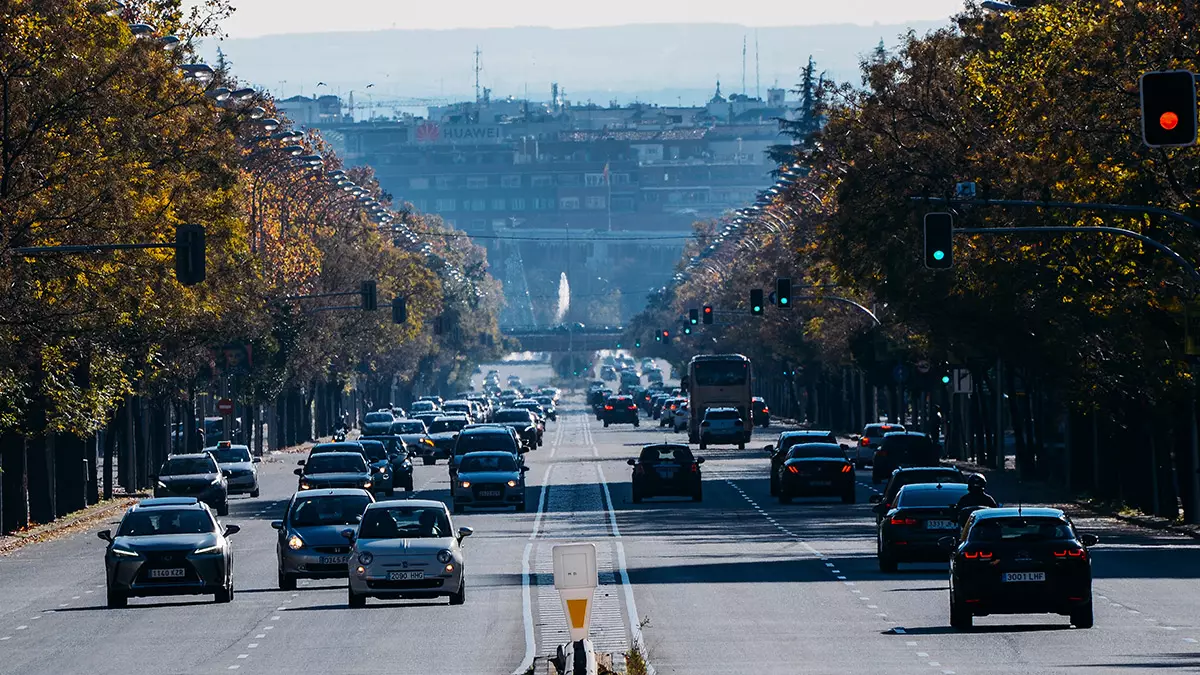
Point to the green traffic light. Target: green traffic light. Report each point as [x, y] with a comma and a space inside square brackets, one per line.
[939, 255]
[757, 308]
[945, 379]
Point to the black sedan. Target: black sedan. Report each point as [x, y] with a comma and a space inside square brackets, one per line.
[910, 531]
[620, 410]
[1020, 561]
[168, 546]
[335, 470]
[762, 414]
[786, 440]
[901, 477]
[667, 470]
[416, 436]
[193, 475]
[399, 455]
[521, 421]
[813, 469]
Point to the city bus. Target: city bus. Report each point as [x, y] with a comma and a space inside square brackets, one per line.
[718, 381]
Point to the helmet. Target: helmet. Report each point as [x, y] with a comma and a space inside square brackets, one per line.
[976, 482]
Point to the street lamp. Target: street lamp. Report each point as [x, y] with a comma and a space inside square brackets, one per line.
[218, 94]
[997, 6]
[169, 41]
[141, 29]
[201, 72]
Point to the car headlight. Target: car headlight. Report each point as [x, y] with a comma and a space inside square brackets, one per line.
[207, 549]
[512, 483]
[304, 485]
[365, 558]
[465, 483]
[295, 542]
[366, 483]
[444, 556]
[427, 441]
[162, 485]
[124, 552]
[216, 481]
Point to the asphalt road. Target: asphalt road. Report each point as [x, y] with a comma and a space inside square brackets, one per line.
[735, 584]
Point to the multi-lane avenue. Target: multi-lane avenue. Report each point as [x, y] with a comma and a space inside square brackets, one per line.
[737, 583]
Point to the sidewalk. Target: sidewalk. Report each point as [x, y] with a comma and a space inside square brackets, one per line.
[68, 524]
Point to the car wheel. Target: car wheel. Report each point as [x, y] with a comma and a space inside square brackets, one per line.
[703, 445]
[224, 595]
[766, 425]
[960, 616]
[698, 495]
[848, 496]
[408, 484]
[635, 423]
[1082, 616]
[117, 599]
[391, 492]
[354, 599]
[287, 582]
[741, 446]
[521, 507]
[605, 424]
[887, 564]
[637, 496]
[254, 493]
[428, 460]
[459, 596]
[223, 509]
[784, 498]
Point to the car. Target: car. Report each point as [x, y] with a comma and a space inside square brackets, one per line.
[608, 373]
[901, 449]
[416, 436]
[620, 410]
[400, 457]
[762, 414]
[667, 415]
[444, 432]
[870, 439]
[168, 546]
[666, 469]
[813, 469]
[335, 470]
[428, 417]
[193, 475]
[656, 405]
[1020, 561]
[722, 425]
[682, 416]
[406, 549]
[778, 451]
[241, 474]
[547, 403]
[489, 478]
[423, 406]
[461, 406]
[432, 398]
[533, 406]
[922, 514]
[379, 422]
[376, 454]
[310, 544]
[523, 422]
[902, 477]
[474, 438]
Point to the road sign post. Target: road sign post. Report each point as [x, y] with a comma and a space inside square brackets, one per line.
[576, 579]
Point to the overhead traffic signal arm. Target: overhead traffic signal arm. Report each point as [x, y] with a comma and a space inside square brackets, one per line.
[190, 252]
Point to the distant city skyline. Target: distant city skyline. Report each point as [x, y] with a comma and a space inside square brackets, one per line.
[254, 18]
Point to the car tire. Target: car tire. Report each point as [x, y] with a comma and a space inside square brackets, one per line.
[741, 446]
[223, 509]
[224, 595]
[1082, 617]
[460, 596]
[887, 563]
[428, 460]
[408, 484]
[784, 498]
[521, 507]
[960, 616]
[117, 599]
[703, 445]
[766, 425]
[698, 495]
[391, 492]
[637, 496]
[457, 508]
[287, 582]
[354, 599]
[848, 497]
[254, 493]
[635, 423]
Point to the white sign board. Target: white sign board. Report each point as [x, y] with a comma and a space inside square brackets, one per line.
[576, 578]
[963, 384]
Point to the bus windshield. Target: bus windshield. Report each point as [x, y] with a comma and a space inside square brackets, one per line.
[720, 373]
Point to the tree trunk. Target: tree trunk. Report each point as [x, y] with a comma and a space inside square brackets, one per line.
[14, 507]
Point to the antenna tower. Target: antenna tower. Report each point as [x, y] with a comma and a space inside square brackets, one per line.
[477, 69]
[757, 72]
[743, 65]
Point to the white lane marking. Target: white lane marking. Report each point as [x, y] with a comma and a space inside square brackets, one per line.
[260, 636]
[1188, 640]
[243, 656]
[829, 564]
[22, 627]
[274, 618]
[1169, 628]
[74, 597]
[635, 628]
[252, 645]
[923, 655]
[935, 664]
[872, 606]
[526, 595]
[235, 667]
[537, 518]
[9, 637]
[268, 627]
[910, 643]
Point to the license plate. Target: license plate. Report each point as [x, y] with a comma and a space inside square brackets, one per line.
[941, 525]
[489, 493]
[405, 576]
[1024, 576]
[334, 559]
[820, 483]
[173, 573]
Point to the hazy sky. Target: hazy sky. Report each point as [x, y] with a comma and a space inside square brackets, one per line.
[263, 17]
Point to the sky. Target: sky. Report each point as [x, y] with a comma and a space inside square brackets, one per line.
[266, 17]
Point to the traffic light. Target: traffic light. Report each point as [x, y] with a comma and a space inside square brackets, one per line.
[666, 336]
[756, 301]
[946, 378]
[369, 299]
[939, 245]
[708, 315]
[693, 316]
[783, 292]
[189, 254]
[637, 344]
[687, 329]
[400, 313]
[1168, 108]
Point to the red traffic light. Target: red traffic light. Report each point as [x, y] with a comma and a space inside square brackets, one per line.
[708, 310]
[1168, 120]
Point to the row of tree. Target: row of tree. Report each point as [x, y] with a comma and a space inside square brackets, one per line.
[1076, 341]
[110, 133]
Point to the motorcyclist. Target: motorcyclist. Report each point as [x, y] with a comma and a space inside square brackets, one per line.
[976, 497]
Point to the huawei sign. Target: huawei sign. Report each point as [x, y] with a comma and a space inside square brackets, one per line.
[428, 133]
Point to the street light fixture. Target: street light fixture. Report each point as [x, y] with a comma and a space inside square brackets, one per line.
[141, 29]
[201, 72]
[218, 94]
[170, 41]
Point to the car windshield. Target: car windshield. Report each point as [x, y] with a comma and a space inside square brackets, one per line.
[948, 495]
[720, 373]
[376, 417]
[483, 441]
[506, 416]
[237, 453]
[329, 510]
[151, 522]
[881, 429]
[722, 415]
[1020, 529]
[336, 464]
[374, 450]
[441, 426]
[188, 466]
[505, 462]
[666, 455]
[391, 443]
[423, 406]
[789, 441]
[334, 447]
[409, 427]
[816, 451]
[405, 522]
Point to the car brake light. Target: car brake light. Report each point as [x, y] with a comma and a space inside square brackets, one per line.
[865, 441]
[608, 407]
[633, 407]
[1071, 552]
[981, 555]
[793, 469]
[766, 409]
[846, 468]
[897, 520]
[695, 468]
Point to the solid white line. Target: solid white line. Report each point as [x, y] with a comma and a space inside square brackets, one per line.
[526, 599]
[635, 630]
[537, 518]
[608, 502]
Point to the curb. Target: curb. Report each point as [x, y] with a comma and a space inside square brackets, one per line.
[55, 528]
[1148, 522]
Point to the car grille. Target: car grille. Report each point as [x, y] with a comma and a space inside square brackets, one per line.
[158, 560]
[187, 488]
[332, 550]
[240, 473]
[485, 487]
[416, 584]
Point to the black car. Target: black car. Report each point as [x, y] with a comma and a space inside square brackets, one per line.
[376, 454]
[620, 410]
[399, 455]
[193, 475]
[416, 436]
[335, 470]
[901, 477]
[869, 441]
[444, 432]
[521, 421]
[813, 469]
[547, 403]
[480, 437]
[922, 515]
[778, 451]
[1020, 561]
[168, 546]
[902, 449]
[762, 414]
[597, 398]
[379, 422]
[667, 470]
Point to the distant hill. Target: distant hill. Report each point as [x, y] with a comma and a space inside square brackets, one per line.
[665, 63]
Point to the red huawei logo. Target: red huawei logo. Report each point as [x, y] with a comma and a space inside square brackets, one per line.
[428, 132]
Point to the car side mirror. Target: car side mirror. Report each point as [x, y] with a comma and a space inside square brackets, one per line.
[524, 469]
[348, 534]
[300, 463]
[769, 448]
[1089, 539]
[699, 460]
[231, 530]
[845, 446]
[257, 460]
[277, 524]
[105, 535]
[948, 544]
[875, 499]
[299, 472]
[464, 532]
[631, 462]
